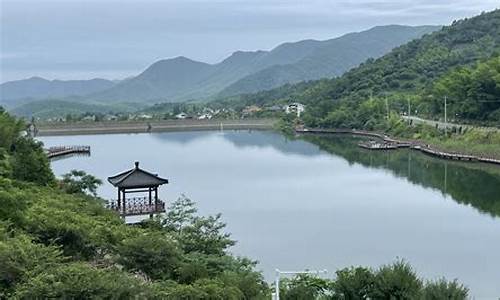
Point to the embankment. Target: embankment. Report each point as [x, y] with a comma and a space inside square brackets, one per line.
[80, 128]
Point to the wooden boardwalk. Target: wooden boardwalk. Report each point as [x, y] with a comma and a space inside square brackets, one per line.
[390, 143]
[58, 151]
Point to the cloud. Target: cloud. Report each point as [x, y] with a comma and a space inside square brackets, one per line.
[79, 35]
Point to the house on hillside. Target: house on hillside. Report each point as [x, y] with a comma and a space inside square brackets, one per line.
[145, 117]
[181, 116]
[295, 108]
[249, 110]
[206, 116]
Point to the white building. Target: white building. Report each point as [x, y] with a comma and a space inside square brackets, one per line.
[205, 117]
[295, 108]
[181, 116]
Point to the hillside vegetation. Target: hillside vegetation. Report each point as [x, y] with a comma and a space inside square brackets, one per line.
[413, 71]
[330, 58]
[460, 62]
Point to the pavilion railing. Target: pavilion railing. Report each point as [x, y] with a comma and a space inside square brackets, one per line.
[137, 206]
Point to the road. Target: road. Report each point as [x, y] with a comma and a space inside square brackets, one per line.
[442, 125]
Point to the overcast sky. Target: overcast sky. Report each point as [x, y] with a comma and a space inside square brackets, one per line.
[72, 39]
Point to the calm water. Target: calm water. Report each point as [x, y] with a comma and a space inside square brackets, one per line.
[321, 203]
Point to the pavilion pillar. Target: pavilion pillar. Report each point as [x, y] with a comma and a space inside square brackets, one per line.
[124, 202]
[156, 198]
[119, 199]
[150, 203]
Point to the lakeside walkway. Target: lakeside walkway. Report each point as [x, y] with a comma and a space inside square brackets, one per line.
[82, 128]
[415, 145]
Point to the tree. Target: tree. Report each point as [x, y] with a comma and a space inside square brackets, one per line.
[196, 233]
[442, 289]
[353, 284]
[30, 163]
[10, 129]
[80, 182]
[304, 287]
[397, 281]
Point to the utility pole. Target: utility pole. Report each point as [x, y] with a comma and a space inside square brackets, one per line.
[445, 116]
[387, 107]
[279, 273]
[409, 111]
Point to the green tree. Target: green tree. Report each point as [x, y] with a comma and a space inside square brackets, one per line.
[442, 289]
[78, 181]
[30, 163]
[304, 287]
[196, 233]
[397, 281]
[353, 284]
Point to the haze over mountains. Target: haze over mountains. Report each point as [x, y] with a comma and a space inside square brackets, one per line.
[182, 79]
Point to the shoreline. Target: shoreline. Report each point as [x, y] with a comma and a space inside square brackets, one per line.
[413, 145]
[116, 127]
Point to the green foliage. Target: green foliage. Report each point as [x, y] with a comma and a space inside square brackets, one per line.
[196, 233]
[80, 182]
[396, 281]
[473, 92]
[304, 287]
[82, 281]
[13, 203]
[10, 129]
[153, 253]
[30, 163]
[20, 258]
[442, 289]
[353, 284]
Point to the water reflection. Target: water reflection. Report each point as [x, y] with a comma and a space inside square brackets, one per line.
[245, 139]
[472, 184]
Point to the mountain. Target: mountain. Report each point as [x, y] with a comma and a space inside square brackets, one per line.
[17, 92]
[330, 58]
[460, 61]
[182, 79]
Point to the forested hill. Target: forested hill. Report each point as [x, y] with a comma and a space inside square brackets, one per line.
[182, 79]
[331, 58]
[424, 71]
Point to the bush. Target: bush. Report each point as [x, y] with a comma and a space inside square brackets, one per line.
[30, 163]
[20, 258]
[152, 253]
[396, 281]
[82, 281]
[353, 284]
[442, 289]
[79, 182]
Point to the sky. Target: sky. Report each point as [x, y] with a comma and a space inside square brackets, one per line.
[83, 39]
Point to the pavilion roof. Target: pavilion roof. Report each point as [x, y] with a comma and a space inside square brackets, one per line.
[136, 178]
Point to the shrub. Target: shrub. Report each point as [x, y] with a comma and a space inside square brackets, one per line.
[396, 281]
[353, 283]
[442, 289]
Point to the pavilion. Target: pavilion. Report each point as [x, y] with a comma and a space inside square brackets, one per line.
[135, 181]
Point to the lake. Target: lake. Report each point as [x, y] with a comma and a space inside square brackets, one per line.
[320, 202]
